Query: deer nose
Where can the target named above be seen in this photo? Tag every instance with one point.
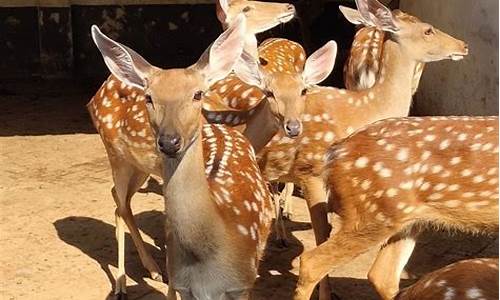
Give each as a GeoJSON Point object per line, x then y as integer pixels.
{"type": "Point", "coordinates": [169, 144]}
{"type": "Point", "coordinates": [293, 128]}
{"type": "Point", "coordinates": [290, 7]}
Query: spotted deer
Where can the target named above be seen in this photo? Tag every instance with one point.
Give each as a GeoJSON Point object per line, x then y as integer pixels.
{"type": "Point", "coordinates": [388, 180]}
{"type": "Point", "coordinates": [331, 113]}
{"type": "Point", "coordinates": [116, 100]}
{"type": "Point", "coordinates": [463, 280]}
{"type": "Point", "coordinates": [362, 67]}
{"type": "Point", "coordinates": [270, 90]}
{"type": "Point", "coordinates": [214, 249]}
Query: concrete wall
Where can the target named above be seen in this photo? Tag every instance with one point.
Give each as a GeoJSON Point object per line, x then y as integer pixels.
{"type": "Point", "coordinates": [470, 86]}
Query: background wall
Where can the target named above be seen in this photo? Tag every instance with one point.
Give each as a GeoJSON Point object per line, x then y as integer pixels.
{"type": "Point", "coordinates": [469, 86]}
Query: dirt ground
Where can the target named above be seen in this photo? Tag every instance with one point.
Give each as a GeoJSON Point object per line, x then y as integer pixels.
{"type": "Point", "coordinates": [57, 215]}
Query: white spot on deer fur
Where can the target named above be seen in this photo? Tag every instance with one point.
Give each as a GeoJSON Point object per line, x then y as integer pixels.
{"type": "Point", "coordinates": [466, 173]}
{"type": "Point", "coordinates": [425, 155]}
{"type": "Point", "coordinates": [492, 171]}
{"type": "Point", "coordinates": [378, 166]}
{"type": "Point", "coordinates": [361, 162]}
{"type": "Point", "coordinates": [246, 93]}
{"type": "Point", "coordinates": [110, 84]}
{"type": "Point", "coordinates": [453, 203]}
{"type": "Point", "coordinates": [406, 185]}
{"type": "Point", "coordinates": [242, 229]}
{"type": "Point", "coordinates": [429, 138]}
{"type": "Point", "coordinates": [468, 194]}
{"type": "Point", "coordinates": [436, 169]}
{"type": "Point", "coordinates": [409, 209]}
{"type": "Point", "coordinates": [425, 186]}
{"type": "Point", "coordinates": [365, 185]}
{"type": "Point", "coordinates": [402, 154]}
{"type": "Point", "coordinates": [247, 205]}
{"type": "Point", "coordinates": [391, 192]}
{"type": "Point", "coordinates": [440, 186]}
{"type": "Point", "coordinates": [385, 172]}
{"type": "Point", "coordinates": [493, 181]}
{"type": "Point", "coordinates": [487, 147]}
{"type": "Point", "coordinates": [381, 142]}
{"type": "Point", "coordinates": [475, 147]}
{"type": "Point", "coordinates": [444, 144]}
{"type": "Point", "coordinates": [435, 196]}
{"type": "Point", "coordinates": [474, 293]}
{"type": "Point", "coordinates": [453, 188]}
{"type": "Point", "coordinates": [462, 137]}
{"type": "Point", "coordinates": [478, 179]}
{"type": "Point", "coordinates": [449, 294]}
{"type": "Point", "coordinates": [455, 160]}
{"type": "Point", "coordinates": [329, 137]}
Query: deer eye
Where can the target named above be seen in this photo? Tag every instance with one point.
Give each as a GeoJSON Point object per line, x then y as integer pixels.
{"type": "Point", "coordinates": [263, 61]}
{"type": "Point", "coordinates": [198, 95]}
{"type": "Point", "coordinates": [303, 92]}
{"type": "Point", "coordinates": [246, 9]}
{"type": "Point", "coordinates": [429, 31]}
{"type": "Point", "coordinates": [269, 94]}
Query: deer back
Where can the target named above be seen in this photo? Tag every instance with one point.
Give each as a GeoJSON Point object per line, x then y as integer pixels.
{"type": "Point", "coordinates": [238, 189]}
{"type": "Point", "coordinates": [438, 170]}
{"type": "Point", "coordinates": [467, 279]}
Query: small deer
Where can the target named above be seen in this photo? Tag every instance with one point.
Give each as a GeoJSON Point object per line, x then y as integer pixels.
{"type": "Point", "coordinates": [362, 67]}
{"type": "Point", "coordinates": [119, 113]}
{"type": "Point", "coordinates": [393, 177]}
{"type": "Point", "coordinates": [269, 90]}
{"type": "Point", "coordinates": [463, 280]}
{"type": "Point", "coordinates": [214, 249]}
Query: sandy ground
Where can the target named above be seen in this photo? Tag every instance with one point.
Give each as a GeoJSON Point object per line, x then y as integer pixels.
{"type": "Point", "coordinates": [57, 215]}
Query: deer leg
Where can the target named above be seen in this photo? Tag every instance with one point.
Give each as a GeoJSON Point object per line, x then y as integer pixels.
{"type": "Point", "coordinates": [127, 181]}
{"type": "Point", "coordinates": [385, 272]}
{"type": "Point", "coordinates": [339, 249]}
{"type": "Point", "coordinates": [279, 222]}
{"type": "Point", "coordinates": [315, 195]}
{"type": "Point", "coordinates": [286, 200]}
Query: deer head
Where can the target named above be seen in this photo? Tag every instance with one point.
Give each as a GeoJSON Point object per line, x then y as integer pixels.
{"type": "Point", "coordinates": [174, 96]}
{"type": "Point", "coordinates": [420, 40]}
{"type": "Point", "coordinates": [261, 16]}
{"type": "Point", "coordinates": [286, 91]}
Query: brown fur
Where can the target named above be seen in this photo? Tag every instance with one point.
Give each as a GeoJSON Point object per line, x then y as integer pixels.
{"type": "Point", "coordinates": [467, 279]}
{"type": "Point", "coordinates": [398, 173]}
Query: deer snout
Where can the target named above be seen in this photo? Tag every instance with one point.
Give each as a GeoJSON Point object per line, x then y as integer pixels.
{"type": "Point", "coordinates": [293, 128]}
{"type": "Point", "coordinates": [290, 8]}
{"type": "Point", "coordinates": [170, 144]}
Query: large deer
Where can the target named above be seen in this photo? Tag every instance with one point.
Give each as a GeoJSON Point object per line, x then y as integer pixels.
{"type": "Point", "coordinates": [463, 280]}
{"type": "Point", "coordinates": [331, 113]}
{"type": "Point", "coordinates": [218, 208]}
{"type": "Point", "coordinates": [118, 100]}
{"type": "Point", "coordinates": [393, 177]}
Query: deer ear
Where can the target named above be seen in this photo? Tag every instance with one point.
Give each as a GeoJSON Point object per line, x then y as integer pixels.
{"type": "Point", "coordinates": [123, 62]}
{"type": "Point", "coordinates": [352, 15]}
{"type": "Point", "coordinates": [218, 60]}
{"type": "Point", "coordinates": [247, 69]}
{"type": "Point", "coordinates": [320, 64]}
{"type": "Point", "coordinates": [377, 14]}
{"type": "Point", "coordinates": [222, 9]}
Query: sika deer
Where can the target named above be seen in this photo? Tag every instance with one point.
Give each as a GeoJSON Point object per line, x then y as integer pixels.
{"type": "Point", "coordinates": [331, 113]}
{"type": "Point", "coordinates": [397, 175]}
{"type": "Point", "coordinates": [362, 67]}
{"type": "Point", "coordinates": [213, 249]}
{"type": "Point", "coordinates": [270, 90]}
{"type": "Point", "coordinates": [135, 157]}
{"type": "Point", "coordinates": [463, 280]}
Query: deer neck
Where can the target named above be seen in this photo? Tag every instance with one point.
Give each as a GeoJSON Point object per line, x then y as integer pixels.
{"type": "Point", "coordinates": [261, 127]}
{"type": "Point", "coordinates": [394, 85]}
{"type": "Point", "coordinates": [190, 211]}
{"type": "Point", "coordinates": [251, 46]}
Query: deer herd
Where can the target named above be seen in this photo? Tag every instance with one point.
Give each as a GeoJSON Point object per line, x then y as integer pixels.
{"type": "Point", "coordinates": [244, 116]}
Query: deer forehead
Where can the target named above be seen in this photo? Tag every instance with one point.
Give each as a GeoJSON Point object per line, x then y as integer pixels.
{"type": "Point", "coordinates": [285, 82]}
{"type": "Point", "coordinates": [175, 84]}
